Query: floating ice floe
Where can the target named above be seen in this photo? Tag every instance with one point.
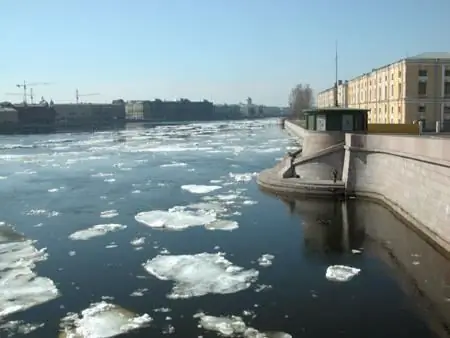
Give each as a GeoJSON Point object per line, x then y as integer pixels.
{"type": "Point", "coordinates": [234, 326]}
{"type": "Point", "coordinates": [341, 273]}
{"type": "Point", "coordinates": [200, 189]}
{"type": "Point", "coordinates": [20, 287]}
{"type": "Point", "coordinates": [179, 218]}
{"type": "Point", "coordinates": [265, 260]}
{"type": "Point", "coordinates": [222, 224]}
{"type": "Point", "coordinates": [102, 175]}
{"type": "Point", "coordinates": [174, 220]}
{"type": "Point", "coordinates": [109, 213]}
{"type": "Point", "coordinates": [138, 241]}
{"type": "Point", "coordinates": [16, 327]}
{"type": "Point", "coordinates": [138, 292]}
{"type": "Point", "coordinates": [102, 320]}
{"type": "Point", "coordinates": [200, 274]}
{"type": "Point", "coordinates": [42, 212]}
{"type": "Point", "coordinates": [213, 206]}
{"type": "Point", "coordinates": [95, 231]}
{"type": "Point", "coordinates": [246, 177]}
{"type": "Point", "coordinates": [173, 164]}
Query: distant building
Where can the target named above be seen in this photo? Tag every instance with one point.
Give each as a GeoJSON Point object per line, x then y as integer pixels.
{"type": "Point", "coordinates": [406, 90]}
{"type": "Point", "coordinates": [137, 110]}
{"type": "Point", "coordinates": [326, 98]}
{"type": "Point", "coordinates": [9, 115]}
{"type": "Point", "coordinates": [227, 112]}
{"type": "Point", "coordinates": [158, 110]}
{"type": "Point", "coordinates": [89, 114]}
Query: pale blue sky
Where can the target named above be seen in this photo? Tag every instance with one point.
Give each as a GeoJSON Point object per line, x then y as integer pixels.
{"type": "Point", "coordinates": [220, 50]}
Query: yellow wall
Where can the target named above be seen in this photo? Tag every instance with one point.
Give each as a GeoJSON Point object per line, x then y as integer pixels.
{"type": "Point", "coordinates": [388, 128]}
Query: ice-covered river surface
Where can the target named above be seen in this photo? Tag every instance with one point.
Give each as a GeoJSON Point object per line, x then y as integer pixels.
{"type": "Point", "coordinates": [162, 231]}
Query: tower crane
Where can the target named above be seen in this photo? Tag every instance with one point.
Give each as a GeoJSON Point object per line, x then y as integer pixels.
{"type": "Point", "coordinates": [78, 95]}
{"type": "Point", "coordinates": [26, 85]}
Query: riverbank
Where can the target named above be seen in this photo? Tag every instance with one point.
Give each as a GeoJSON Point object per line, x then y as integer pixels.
{"type": "Point", "coordinates": [408, 174]}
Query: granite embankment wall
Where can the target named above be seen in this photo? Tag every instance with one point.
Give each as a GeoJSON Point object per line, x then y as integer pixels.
{"type": "Point", "coordinates": [410, 174]}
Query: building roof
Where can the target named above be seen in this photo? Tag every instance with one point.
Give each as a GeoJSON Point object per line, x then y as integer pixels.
{"type": "Point", "coordinates": [430, 55]}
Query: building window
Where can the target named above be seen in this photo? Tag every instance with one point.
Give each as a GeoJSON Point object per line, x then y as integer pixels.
{"type": "Point", "coordinates": [392, 90]}
{"type": "Point", "coordinates": [447, 88]}
{"type": "Point", "coordinates": [385, 92]}
{"type": "Point", "coordinates": [399, 73]}
{"type": "Point", "coordinates": [400, 90]}
{"type": "Point", "coordinates": [422, 110]}
{"type": "Point", "coordinates": [423, 72]}
{"type": "Point", "coordinates": [392, 76]}
{"type": "Point", "coordinates": [422, 88]}
{"type": "Point", "coordinates": [447, 72]}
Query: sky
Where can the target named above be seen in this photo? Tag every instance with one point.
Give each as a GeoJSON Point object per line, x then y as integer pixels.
{"type": "Point", "coordinates": [218, 50]}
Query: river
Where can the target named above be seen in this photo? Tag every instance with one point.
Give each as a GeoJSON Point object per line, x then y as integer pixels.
{"type": "Point", "coordinates": [158, 231]}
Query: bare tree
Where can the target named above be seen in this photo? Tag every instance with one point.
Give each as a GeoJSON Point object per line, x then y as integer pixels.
{"type": "Point", "coordinates": [301, 98]}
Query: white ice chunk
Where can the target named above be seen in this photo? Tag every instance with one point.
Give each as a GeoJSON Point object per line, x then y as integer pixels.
{"type": "Point", "coordinates": [175, 220]}
{"type": "Point", "coordinates": [138, 241]}
{"type": "Point", "coordinates": [265, 260]}
{"type": "Point", "coordinates": [200, 189]}
{"type": "Point", "coordinates": [213, 206]}
{"type": "Point", "coordinates": [226, 326]}
{"type": "Point", "coordinates": [341, 273]}
{"type": "Point", "coordinates": [19, 328]}
{"type": "Point", "coordinates": [246, 177]}
{"type": "Point", "coordinates": [20, 287]}
{"type": "Point", "coordinates": [222, 224]}
{"type": "Point", "coordinates": [200, 274]}
{"type": "Point", "coordinates": [109, 213]}
{"type": "Point", "coordinates": [234, 326]}
{"type": "Point", "coordinates": [173, 164]}
{"type": "Point", "coordinates": [102, 320]}
{"type": "Point", "coordinates": [95, 231]}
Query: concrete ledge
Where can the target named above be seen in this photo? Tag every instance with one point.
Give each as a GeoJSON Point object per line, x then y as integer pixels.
{"type": "Point", "coordinates": [269, 180]}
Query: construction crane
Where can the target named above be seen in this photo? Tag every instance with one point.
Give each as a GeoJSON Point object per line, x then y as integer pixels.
{"type": "Point", "coordinates": [78, 95]}
{"type": "Point", "coordinates": [26, 85]}
{"type": "Point", "coordinates": [31, 95]}
{"type": "Point", "coordinates": [21, 94]}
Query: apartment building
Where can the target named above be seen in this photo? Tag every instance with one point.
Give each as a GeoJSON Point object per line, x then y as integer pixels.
{"type": "Point", "coordinates": [326, 98]}
{"type": "Point", "coordinates": [412, 88]}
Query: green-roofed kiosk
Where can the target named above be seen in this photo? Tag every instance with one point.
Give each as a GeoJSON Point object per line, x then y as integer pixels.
{"type": "Point", "coordinates": [336, 119]}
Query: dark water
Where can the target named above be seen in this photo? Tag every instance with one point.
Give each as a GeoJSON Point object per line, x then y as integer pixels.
{"type": "Point", "coordinates": [403, 289]}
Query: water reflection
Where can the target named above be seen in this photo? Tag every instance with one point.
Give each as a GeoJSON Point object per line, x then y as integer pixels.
{"type": "Point", "coordinates": [362, 227]}
{"type": "Point", "coordinates": [328, 226]}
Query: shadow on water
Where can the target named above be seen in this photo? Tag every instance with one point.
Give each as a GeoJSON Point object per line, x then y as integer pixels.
{"type": "Point", "coordinates": [334, 228]}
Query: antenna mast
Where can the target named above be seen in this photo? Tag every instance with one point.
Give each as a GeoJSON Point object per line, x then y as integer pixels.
{"type": "Point", "coordinates": [336, 102]}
